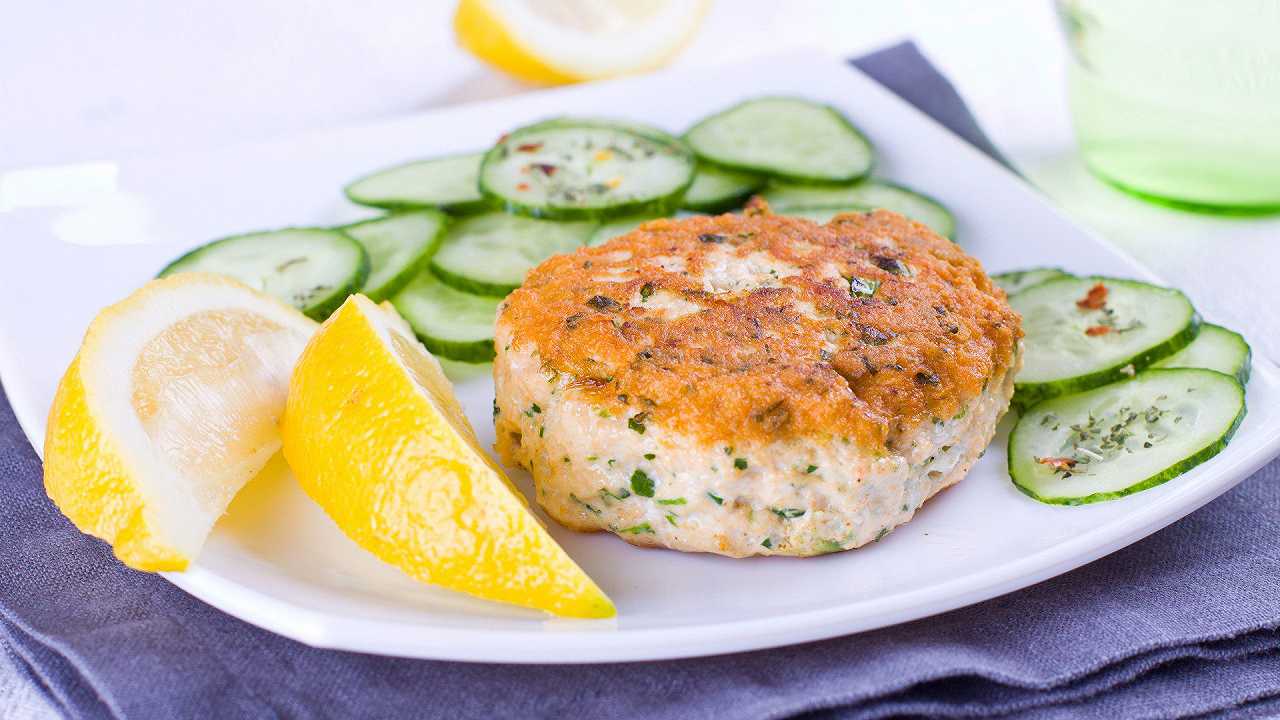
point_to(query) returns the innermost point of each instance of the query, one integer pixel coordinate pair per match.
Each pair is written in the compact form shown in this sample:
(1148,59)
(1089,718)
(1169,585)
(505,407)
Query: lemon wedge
(171,405)
(564,41)
(374,434)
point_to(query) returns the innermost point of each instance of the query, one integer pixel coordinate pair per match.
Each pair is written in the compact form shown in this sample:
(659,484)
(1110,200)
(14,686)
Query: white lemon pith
(563,41)
(170,406)
(375,436)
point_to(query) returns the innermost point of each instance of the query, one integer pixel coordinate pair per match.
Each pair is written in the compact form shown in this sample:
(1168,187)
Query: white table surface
(84,81)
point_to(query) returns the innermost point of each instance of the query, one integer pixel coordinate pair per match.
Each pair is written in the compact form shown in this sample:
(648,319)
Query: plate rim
(584,642)
(615,645)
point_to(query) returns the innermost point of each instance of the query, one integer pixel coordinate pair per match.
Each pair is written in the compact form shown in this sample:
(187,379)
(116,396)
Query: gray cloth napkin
(1184,623)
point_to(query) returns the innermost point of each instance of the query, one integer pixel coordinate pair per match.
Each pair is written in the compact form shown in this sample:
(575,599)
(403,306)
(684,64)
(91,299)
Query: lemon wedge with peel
(374,434)
(171,405)
(564,41)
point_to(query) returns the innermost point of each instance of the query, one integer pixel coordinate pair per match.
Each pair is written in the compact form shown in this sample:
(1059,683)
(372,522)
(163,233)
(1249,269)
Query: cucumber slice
(865,195)
(399,246)
(783,137)
(623,225)
(1019,280)
(1215,348)
(719,190)
(612,229)
(490,254)
(1070,347)
(821,215)
(313,269)
(451,182)
(587,169)
(1119,439)
(653,131)
(451,323)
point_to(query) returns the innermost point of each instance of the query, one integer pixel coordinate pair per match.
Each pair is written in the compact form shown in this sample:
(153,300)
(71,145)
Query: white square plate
(76,239)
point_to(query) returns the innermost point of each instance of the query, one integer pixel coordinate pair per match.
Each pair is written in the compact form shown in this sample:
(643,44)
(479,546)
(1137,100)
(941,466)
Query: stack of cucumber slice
(1122,387)
(463,230)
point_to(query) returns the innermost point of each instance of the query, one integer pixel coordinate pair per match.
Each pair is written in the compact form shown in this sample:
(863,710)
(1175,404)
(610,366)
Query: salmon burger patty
(753,385)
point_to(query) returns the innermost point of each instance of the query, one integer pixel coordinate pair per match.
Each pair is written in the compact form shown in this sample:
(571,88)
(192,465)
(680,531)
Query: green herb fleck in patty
(641,483)
(586,505)
(636,422)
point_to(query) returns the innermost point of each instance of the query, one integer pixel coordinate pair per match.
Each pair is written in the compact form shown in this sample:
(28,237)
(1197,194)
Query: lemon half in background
(565,41)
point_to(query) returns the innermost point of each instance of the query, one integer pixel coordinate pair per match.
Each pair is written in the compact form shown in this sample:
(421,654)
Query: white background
(83,80)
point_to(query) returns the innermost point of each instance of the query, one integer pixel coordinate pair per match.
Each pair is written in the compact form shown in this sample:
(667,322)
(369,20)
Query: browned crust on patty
(752,366)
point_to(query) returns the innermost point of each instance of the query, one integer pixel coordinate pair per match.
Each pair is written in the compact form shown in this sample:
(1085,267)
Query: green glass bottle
(1179,102)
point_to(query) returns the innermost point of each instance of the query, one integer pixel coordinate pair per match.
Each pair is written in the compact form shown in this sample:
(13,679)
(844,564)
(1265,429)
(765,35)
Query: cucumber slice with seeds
(1123,438)
(451,182)
(399,246)
(1019,280)
(613,228)
(783,137)
(784,198)
(313,269)
(449,322)
(1215,348)
(716,189)
(588,169)
(490,254)
(1082,332)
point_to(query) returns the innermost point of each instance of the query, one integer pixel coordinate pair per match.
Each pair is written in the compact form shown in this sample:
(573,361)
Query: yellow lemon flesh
(563,41)
(171,405)
(375,435)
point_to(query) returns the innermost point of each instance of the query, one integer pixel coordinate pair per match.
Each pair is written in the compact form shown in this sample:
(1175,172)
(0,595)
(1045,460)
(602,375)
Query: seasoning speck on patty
(869,349)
